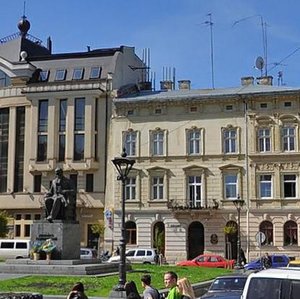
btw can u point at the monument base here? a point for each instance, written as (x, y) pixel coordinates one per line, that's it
(65, 236)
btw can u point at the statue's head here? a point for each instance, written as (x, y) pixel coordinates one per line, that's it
(58, 172)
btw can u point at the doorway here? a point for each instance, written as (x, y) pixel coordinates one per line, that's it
(195, 239)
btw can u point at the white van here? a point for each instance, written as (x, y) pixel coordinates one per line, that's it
(274, 283)
(138, 255)
(14, 248)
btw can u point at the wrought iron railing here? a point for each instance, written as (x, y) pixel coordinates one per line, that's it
(177, 205)
(18, 34)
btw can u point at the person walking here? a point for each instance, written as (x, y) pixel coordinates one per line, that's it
(170, 280)
(149, 291)
(131, 290)
(185, 288)
(266, 261)
(77, 292)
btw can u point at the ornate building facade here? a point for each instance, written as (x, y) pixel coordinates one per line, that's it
(54, 112)
(198, 150)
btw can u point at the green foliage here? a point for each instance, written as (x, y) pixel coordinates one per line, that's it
(101, 286)
(3, 224)
(159, 239)
(230, 229)
(98, 229)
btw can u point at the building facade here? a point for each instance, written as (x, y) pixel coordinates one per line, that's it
(198, 150)
(55, 112)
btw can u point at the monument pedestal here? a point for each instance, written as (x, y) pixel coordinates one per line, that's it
(65, 235)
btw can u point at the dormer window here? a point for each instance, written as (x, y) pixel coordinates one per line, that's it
(44, 75)
(60, 75)
(78, 74)
(95, 72)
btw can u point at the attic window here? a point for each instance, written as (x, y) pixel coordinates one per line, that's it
(263, 105)
(78, 74)
(287, 104)
(157, 111)
(95, 72)
(60, 75)
(44, 75)
(229, 108)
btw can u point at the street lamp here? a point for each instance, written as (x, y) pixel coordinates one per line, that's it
(123, 166)
(238, 203)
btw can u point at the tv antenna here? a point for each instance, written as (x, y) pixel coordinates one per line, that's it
(264, 37)
(210, 24)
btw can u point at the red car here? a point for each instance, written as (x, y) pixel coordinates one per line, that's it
(208, 260)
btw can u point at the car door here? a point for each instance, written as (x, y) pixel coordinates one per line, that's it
(278, 261)
(213, 262)
(140, 256)
(130, 255)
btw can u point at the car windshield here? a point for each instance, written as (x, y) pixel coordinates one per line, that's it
(228, 283)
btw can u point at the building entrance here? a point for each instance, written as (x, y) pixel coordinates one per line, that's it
(195, 239)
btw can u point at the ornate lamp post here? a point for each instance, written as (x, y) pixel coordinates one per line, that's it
(238, 203)
(123, 166)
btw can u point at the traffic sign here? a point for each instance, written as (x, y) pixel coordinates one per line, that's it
(260, 238)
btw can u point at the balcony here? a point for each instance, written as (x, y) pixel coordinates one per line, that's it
(187, 205)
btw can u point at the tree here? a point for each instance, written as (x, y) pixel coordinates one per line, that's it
(3, 224)
(98, 229)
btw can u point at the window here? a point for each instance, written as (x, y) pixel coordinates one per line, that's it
(194, 141)
(290, 233)
(130, 142)
(79, 129)
(264, 140)
(89, 182)
(157, 143)
(78, 74)
(195, 190)
(229, 108)
(27, 230)
(60, 75)
(265, 186)
(18, 230)
(4, 128)
(42, 131)
(130, 229)
(44, 75)
(229, 139)
(288, 138)
(130, 189)
(157, 111)
(193, 109)
(231, 187)
(74, 179)
(287, 104)
(4, 79)
(266, 227)
(62, 130)
(95, 72)
(289, 185)
(264, 105)
(157, 188)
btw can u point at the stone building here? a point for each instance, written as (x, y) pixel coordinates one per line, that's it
(198, 150)
(55, 112)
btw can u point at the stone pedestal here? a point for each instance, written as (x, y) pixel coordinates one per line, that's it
(65, 235)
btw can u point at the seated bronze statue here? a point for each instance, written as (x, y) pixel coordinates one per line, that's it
(60, 201)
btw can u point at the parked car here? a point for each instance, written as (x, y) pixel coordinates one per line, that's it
(273, 284)
(294, 263)
(88, 253)
(138, 255)
(278, 260)
(230, 286)
(14, 248)
(208, 260)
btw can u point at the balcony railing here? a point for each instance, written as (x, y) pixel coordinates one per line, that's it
(177, 205)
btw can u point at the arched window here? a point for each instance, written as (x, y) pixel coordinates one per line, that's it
(4, 79)
(130, 227)
(266, 227)
(290, 233)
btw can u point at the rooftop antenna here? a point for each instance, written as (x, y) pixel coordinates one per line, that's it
(24, 8)
(259, 64)
(264, 38)
(210, 24)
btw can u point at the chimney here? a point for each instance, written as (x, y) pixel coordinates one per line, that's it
(247, 81)
(166, 85)
(184, 84)
(265, 80)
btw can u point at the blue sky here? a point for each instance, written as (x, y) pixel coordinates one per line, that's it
(175, 33)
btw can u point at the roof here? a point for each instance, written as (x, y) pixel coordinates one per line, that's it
(283, 273)
(203, 94)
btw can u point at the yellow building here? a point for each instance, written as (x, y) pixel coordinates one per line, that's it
(198, 150)
(54, 112)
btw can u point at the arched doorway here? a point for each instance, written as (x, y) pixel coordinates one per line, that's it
(195, 239)
(231, 233)
(159, 237)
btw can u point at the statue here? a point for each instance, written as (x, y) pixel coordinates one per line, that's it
(60, 201)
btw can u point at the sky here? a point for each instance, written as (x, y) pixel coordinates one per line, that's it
(177, 34)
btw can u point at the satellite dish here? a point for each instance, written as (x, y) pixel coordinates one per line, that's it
(259, 63)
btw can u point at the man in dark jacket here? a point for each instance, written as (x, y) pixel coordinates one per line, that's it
(266, 261)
